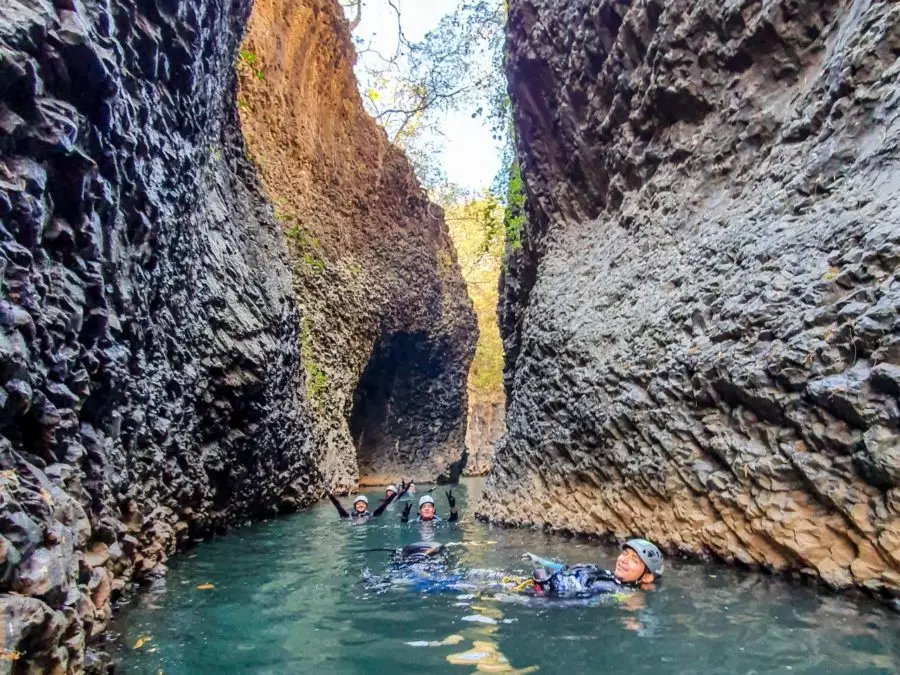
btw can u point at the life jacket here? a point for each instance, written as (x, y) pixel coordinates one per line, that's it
(581, 581)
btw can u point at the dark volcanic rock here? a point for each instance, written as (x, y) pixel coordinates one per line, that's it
(158, 380)
(702, 327)
(150, 384)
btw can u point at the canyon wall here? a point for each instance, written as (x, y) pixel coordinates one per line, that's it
(388, 331)
(701, 325)
(161, 364)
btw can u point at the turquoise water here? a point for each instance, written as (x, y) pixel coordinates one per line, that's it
(287, 597)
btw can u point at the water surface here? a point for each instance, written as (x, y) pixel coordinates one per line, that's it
(287, 597)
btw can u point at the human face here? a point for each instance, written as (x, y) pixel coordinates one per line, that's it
(359, 507)
(630, 568)
(426, 511)
(389, 493)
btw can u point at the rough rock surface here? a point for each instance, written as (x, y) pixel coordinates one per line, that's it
(157, 381)
(484, 430)
(149, 337)
(701, 329)
(388, 330)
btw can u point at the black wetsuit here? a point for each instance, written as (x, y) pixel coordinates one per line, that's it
(342, 512)
(578, 581)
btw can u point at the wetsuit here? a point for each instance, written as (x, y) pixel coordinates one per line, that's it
(452, 518)
(342, 512)
(574, 581)
(425, 567)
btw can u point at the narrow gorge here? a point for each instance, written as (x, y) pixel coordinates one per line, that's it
(223, 292)
(702, 323)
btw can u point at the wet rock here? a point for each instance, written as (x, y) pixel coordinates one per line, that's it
(97, 555)
(9, 560)
(701, 326)
(44, 574)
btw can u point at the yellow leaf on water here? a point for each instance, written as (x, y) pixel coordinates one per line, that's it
(204, 587)
(141, 641)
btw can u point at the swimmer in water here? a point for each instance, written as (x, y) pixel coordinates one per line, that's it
(361, 505)
(427, 511)
(637, 567)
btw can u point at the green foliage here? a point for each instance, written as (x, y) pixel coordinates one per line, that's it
(479, 256)
(311, 261)
(247, 59)
(514, 213)
(457, 66)
(316, 378)
(316, 382)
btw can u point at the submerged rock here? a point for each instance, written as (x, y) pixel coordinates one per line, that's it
(702, 323)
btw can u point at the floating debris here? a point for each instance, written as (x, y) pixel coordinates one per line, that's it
(141, 641)
(205, 587)
(447, 641)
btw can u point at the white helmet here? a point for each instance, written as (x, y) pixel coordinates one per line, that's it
(361, 498)
(391, 488)
(426, 499)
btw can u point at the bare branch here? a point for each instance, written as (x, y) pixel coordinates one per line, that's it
(355, 23)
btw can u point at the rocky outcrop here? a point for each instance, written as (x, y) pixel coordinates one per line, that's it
(155, 374)
(701, 328)
(388, 331)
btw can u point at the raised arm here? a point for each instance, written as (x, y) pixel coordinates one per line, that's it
(383, 505)
(342, 512)
(454, 516)
(543, 562)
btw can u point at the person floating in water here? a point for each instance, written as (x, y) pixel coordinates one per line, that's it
(638, 566)
(427, 511)
(361, 504)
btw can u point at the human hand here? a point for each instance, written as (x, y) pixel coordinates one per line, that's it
(407, 509)
(451, 499)
(530, 557)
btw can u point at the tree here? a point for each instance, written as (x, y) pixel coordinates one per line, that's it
(457, 66)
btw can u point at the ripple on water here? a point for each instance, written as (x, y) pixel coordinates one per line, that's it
(287, 598)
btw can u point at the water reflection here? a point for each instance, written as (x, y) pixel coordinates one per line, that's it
(288, 598)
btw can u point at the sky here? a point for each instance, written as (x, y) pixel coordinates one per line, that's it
(470, 156)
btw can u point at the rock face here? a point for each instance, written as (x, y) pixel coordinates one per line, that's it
(154, 379)
(388, 331)
(484, 430)
(151, 385)
(701, 329)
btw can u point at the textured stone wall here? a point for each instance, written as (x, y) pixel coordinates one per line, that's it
(149, 337)
(388, 330)
(701, 328)
(484, 430)
(161, 368)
